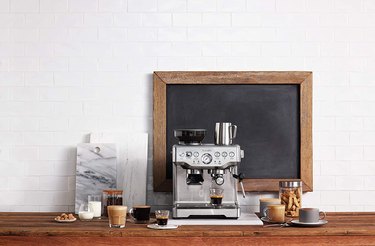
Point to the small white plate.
(319, 223)
(265, 219)
(158, 227)
(65, 221)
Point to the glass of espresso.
(216, 195)
(162, 217)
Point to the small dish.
(158, 227)
(265, 219)
(319, 223)
(66, 221)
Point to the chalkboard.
(273, 112)
(267, 117)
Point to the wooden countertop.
(40, 228)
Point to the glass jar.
(290, 193)
(111, 197)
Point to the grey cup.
(310, 215)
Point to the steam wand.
(240, 177)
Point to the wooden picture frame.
(162, 79)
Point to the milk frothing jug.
(225, 132)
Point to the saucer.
(265, 219)
(158, 227)
(319, 223)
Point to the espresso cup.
(275, 213)
(162, 217)
(310, 215)
(140, 213)
(216, 196)
(264, 202)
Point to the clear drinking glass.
(85, 212)
(216, 195)
(162, 217)
(117, 216)
(96, 203)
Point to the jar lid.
(290, 184)
(113, 192)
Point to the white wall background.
(69, 67)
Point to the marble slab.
(95, 171)
(244, 219)
(131, 163)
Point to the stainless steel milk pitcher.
(225, 132)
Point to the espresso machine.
(198, 167)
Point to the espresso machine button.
(206, 158)
(182, 154)
(188, 154)
(224, 154)
(231, 154)
(196, 154)
(217, 154)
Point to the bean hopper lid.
(190, 136)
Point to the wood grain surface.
(41, 229)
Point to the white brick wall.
(69, 67)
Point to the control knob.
(206, 158)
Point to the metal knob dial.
(219, 179)
(206, 158)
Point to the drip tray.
(204, 206)
(244, 219)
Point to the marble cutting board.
(95, 170)
(132, 150)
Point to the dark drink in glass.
(216, 200)
(216, 195)
(162, 217)
(162, 221)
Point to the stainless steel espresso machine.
(200, 168)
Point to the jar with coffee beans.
(111, 197)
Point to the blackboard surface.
(267, 117)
